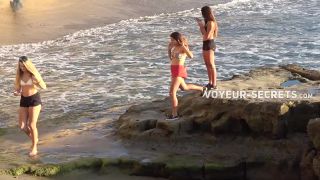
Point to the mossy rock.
(109, 162)
(184, 168)
(47, 170)
(17, 171)
(214, 167)
(124, 165)
(3, 131)
(83, 163)
(215, 170)
(154, 169)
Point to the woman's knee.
(211, 65)
(185, 88)
(22, 128)
(172, 93)
(33, 126)
(22, 125)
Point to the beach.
(41, 20)
(107, 72)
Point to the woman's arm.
(217, 29)
(169, 51)
(201, 26)
(17, 92)
(187, 51)
(210, 30)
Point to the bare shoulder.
(211, 23)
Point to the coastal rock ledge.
(268, 134)
(271, 117)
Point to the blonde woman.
(28, 81)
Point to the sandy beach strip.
(40, 20)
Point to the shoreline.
(40, 21)
(136, 142)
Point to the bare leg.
(23, 121)
(33, 118)
(187, 87)
(175, 83)
(213, 67)
(206, 58)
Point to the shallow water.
(290, 83)
(95, 69)
(314, 91)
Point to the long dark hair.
(207, 14)
(179, 38)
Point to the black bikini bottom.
(209, 45)
(30, 101)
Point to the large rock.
(306, 164)
(270, 117)
(310, 74)
(314, 132)
(219, 116)
(316, 165)
(235, 116)
(300, 114)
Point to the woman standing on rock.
(28, 81)
(178, 50)
(209, 31)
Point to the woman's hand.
(16, 93)
(183, 44)
(201, 26)
(34, 80)
(199, 22)
(187, 50)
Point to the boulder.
(309, 74)
(313, 130)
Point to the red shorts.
(178, 71)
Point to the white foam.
(127, 61)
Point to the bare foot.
(34, 152)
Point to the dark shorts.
(30, 101)
(209, 45)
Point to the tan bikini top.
(28, 83)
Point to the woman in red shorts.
(178, 50)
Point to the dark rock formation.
(309, 74)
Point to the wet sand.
(40, 20)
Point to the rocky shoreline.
(216, 138)
(269, 135)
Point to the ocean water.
(92, 70)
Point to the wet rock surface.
(268, 136)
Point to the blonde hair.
(33, 70)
